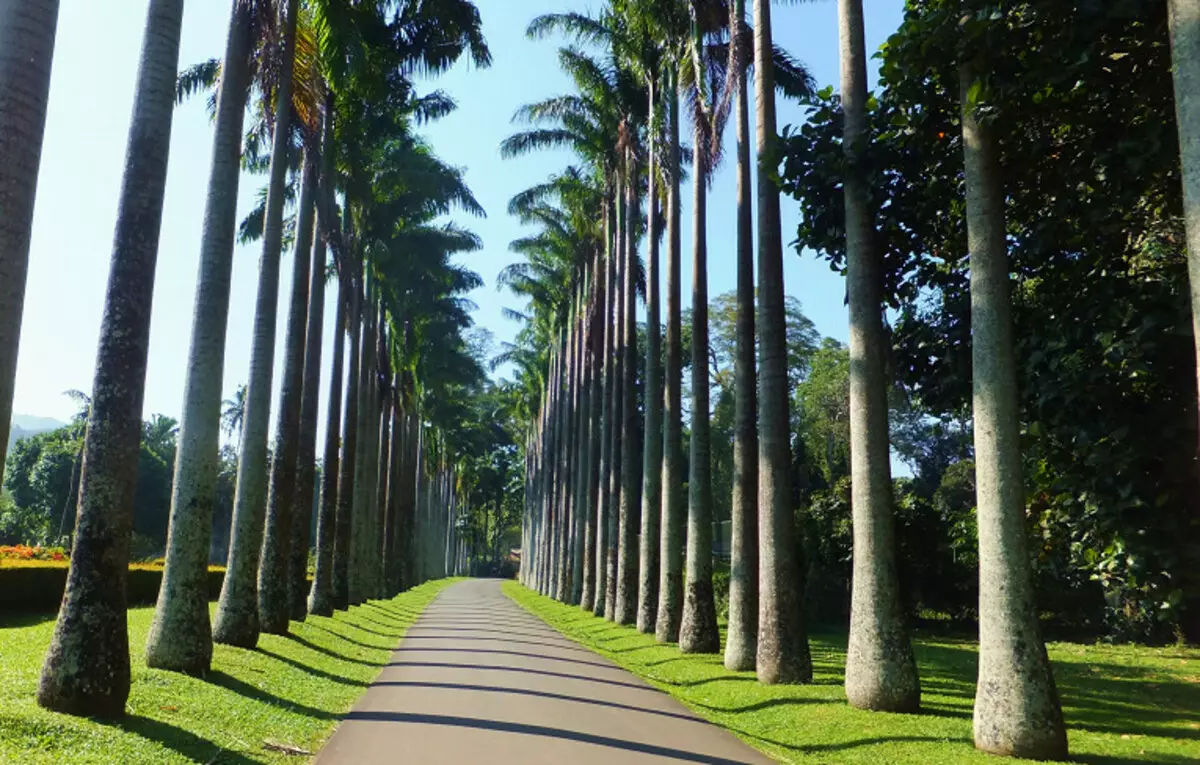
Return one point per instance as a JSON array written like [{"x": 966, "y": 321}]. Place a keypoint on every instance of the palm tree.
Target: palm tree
[
  {"x": 741, "y": 643},
  {"x": 881, "y": 671},
  {"x": 237, "y": 621},
  {"x": 320, "y": 599},
  {"x": 27, "y": 31},
  {"x": 783, "y": 654},
  {"x": 274, "y": 608},
  {"x": 86, "y": 671},
  {"x": 625, "y": 609},
  {"x": 1017, "y": 711},
  {"x": 309, "y": 413},
  {"x": 1183, "y": 16},
  {"x": 181, "y": 635},
  {"x": 670, "y": 584},
  {"x": 233, "y": 413}
]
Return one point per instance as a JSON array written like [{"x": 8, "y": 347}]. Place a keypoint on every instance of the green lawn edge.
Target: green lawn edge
[
  {"x": 1123, "y": 704},
  {"x": 291, "y": 691}
]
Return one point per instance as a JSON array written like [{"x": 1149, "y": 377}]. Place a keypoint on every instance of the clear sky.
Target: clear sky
[{"x": 90, "y": 103}]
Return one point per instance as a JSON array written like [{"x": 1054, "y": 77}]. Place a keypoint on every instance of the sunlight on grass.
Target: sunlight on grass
[
  {"x": 1123, "y": 704},
  {"x": 290, "y": 692}
]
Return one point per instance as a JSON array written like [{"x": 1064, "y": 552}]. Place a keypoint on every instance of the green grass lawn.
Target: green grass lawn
[
  {"x": 1123, "y": 704},
  {"x": 288, "y": 692}
]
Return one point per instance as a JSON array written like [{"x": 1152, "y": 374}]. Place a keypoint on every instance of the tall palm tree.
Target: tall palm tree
[
  {"x": 625, "y": 610},
  {"x": 306, "y": 454},
  {"x": 274, "y": 608},
  {"x": 180, "y": 637},
  {"x": 652, "y": 450},
  {"x": 783, "y": 653},
  {"x": 670, "y": 584},
  {"x": 86, "y": 671},
  {"x": 741, "y": 643},
  {"x": 27, "y": 31},
  {"x": 881, "y": 671},
  {"x": 1017, "y": 711},
  {"x": 237, "y": 620},
  {"x": 1184, "y": 22},
  {"x": 320, "y": 598}
]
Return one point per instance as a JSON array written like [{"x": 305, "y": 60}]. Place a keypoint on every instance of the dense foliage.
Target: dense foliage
[{"x": 1085, "y": 113}]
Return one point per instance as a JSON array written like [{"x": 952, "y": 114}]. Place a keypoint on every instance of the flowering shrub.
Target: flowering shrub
[{"x": 25, "y": 552}]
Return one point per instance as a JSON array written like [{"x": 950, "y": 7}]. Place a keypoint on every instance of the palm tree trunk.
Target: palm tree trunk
[
  {"x": 306, "y": 471},
  {"x": 652, "y": 451},
  {"x": 320, "y": 599},
  {"x": 345, "y": 493},
  {"x": 616, "y": 393},
  {"x": 391, "y": 535},
  {"x": 180, "y": 637},
  {"x": 237, "y": 621},
  {"x": 27, "y": 31},
  {"x": 408, "y": 501},
  {"x": 581, "y": 467},
  {"x": 380, "y": 558},
  {"x": 698, "y": 630},
  {"x": 1017, "y": 711},
  {"x": 595, "y": 406},
  {"x": 603, "y": 497},
  {"x": 362, "y": 520},
  {"x": 627, "y": 550},
  {"x": 274, "y": 606},
  {"x": 741, "y": 644},
  {"x": 783, "y": 653},
  {"x": 670, "y": 584},
  {"x": 86, "y": 671},
  {"x": 1184, "y": 22},
  {"x": 881, "y": 672}
]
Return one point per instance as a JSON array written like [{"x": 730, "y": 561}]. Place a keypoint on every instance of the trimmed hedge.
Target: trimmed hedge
[{"x": 38, "y": 585}]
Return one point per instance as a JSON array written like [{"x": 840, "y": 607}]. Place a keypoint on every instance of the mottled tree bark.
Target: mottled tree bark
[
  {"x": 595, "y": 335},
  {"x": 698, "y": 631},
  {"x": 345, "y": 493},
  {"x": 320, "y": 599},
  {"x": 27, "y": 31},
  {"x": 274, "y": 606},
  {"x": 881, "y": 672},
  {"x": 603, "y": 497},
  {"x": 617, "y": 394},
  {"x": 180, "y": 637},
  {"x": 783, "y": 654},
  {"x": 670, "y": 583},
  {"x": 652, "y": 451},
  {"x": 86, "y": 671},
  {"x": 237, "y": 621},
  {"x": 1184, "y": 23},
  {"x": 580, "y": 461},
  {"x": 306, "y": 469},
  {"x": 741, "y": 642},
  {"x": 625, "y": 611},
  {"x": 1017, "y": 710}
]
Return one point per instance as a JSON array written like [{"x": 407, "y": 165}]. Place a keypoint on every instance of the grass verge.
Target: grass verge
[
  {"x": 254, "y": 706},
  {"x": 1123, "y": 704}
]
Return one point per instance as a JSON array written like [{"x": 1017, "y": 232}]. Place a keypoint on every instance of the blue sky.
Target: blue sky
[{"x": 90, "y": 102}]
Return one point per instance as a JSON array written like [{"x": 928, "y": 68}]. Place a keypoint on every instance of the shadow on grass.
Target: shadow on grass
[
  {"x": 310, "y": 669},
  {"x": 242, "y": 688},
  {"x": 15, "y": 620},
  {"x": 348, "y": 639},
  {"x": 350, "y": 623},
  {"x": 178, "y": 740},
  {"x": 329, "y": 652}
]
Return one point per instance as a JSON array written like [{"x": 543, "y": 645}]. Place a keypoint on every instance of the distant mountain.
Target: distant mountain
[{"x": 24, "y": 426}]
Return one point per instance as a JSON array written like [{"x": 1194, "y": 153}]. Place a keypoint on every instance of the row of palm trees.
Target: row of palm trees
[
  {"x": 328, "y": 86},
  {"x": 581, "y": 275}
]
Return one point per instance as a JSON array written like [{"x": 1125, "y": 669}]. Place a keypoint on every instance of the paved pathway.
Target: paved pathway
[{"x": 480, "y": 680}]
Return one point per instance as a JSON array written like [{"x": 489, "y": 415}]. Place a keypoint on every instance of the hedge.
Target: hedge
[{"x": 35, "y": 585}]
